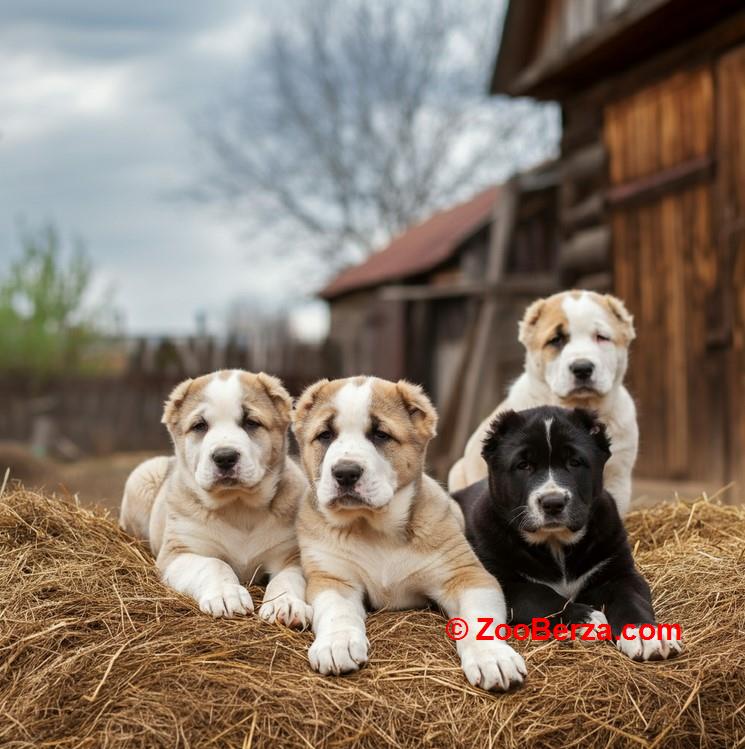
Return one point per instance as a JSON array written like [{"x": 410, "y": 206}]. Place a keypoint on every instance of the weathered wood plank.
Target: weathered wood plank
[
  {"x": 731, "y": 237},
  {"x": 652, "y": 186},
  {"x": 515, "y": 285},
  {"x": 587, "y": 251}
]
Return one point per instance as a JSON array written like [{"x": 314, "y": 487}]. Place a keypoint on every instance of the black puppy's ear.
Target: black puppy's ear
[
  {"x": 589, "y": 421},
  {"x": 502, "y": 424}
]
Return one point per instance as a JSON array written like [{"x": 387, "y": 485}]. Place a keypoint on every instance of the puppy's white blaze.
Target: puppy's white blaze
[
  {"x": 353, "y": 407},
  {"x": 548, "y": 423},
  {"x": 378, "y": 482},
  {"x": 224, "y": 396}
]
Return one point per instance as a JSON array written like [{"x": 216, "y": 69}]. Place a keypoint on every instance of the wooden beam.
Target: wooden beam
[
  {"x": 601, "y": 282},
  {"x": 688, "y": 54},
  {"x": 588, "y": 211},
  {"x": 516, "y": 285},
  {"x": 536, "y": 80},
  {"x": 503, "y": 227},
  {"x": 648, "y": 188},
  {"x": 587, "y": 251},
  {"x": 586, "y": 162}
]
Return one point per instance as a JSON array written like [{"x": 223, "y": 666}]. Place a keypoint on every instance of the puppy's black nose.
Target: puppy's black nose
[
  {"x": 553, "y": 504},
  {"x": 225, "y": 458},
  {"x": 346, "y": 473},
  {"x": 582, "y": 369}
]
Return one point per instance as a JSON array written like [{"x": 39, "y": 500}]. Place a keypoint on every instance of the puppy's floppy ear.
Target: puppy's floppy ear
[
  {"x": 421, "y": 411},
  {"x": 175, "y": 401},
  {"x": 305, "y": 403},
  {"x": 624, "y": 319},
  {"x": 589, "y": 421},
  {"x": 502, "y": 424},
  {"x": 279, "y": 396},
  {"x": 526, "y": 326}
]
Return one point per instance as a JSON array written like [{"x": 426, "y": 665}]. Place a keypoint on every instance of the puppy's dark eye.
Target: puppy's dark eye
[
  {"x": 199, "y": 427},
  {"x": 523, "y": 465},
  {"x": 249, "y": 424},
  {"x": 600, "y": 337},
  {"x": 557, "y": 340},
  {"x": 575, "y": 462},
  {"x": 380, "y": 437},
  {"x": 325, "y": 436}
]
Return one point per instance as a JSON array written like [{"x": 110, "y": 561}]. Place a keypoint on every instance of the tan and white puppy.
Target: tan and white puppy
[
  {"x": 222, "y": 510},
  {"x": 373, "y": 528},
  {"x": 576, "y": 346}
]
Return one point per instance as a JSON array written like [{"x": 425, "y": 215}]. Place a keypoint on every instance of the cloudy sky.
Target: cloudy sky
[{"x": 97, "y": 104}]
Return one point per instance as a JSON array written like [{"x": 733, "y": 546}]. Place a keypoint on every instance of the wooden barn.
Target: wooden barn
[
  {"x": 440, "y": 304},
  {"x": 651, "y": 196}
]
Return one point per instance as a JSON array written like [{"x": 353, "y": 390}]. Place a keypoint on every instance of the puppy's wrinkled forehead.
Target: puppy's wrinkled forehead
[
  {"x": 575, "y": 313},
  {"x": 358, "y": 405},
  {"x": 227, "y": 395},
  {"x": 351, "y": 406}
]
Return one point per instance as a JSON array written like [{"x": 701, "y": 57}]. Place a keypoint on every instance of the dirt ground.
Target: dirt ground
[{"x": 96, "y": 481}]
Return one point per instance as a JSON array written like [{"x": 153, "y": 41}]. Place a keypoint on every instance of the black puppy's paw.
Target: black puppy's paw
[{"x": 580, "y": 613}]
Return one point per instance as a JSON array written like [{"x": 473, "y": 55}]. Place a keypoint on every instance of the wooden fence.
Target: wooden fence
[{"x": 77, "y": 415}]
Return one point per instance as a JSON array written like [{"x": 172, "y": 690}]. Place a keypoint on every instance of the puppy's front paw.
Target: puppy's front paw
[
  {"x": 658, "y": 648},
  {"x": 594, "y": 618},
  {"x": 338, "y": 653},
  {"x": 580, "y": 613},
  {"x": 288, "y": 610},
  {"x": 493, "y": 666},
  {"x": 227, "y": 600}
]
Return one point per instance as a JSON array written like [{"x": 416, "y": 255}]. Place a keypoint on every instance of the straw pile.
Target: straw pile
[{"x": 95, "y": 652}]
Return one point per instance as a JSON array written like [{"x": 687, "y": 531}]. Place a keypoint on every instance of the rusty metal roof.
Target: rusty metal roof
[{"x": 420, "y": 249}]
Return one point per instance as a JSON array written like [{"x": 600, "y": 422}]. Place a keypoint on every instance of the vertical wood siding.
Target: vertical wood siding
[
  {"x": 666, "y": 267},
  {"x": 731, "y": 204}
]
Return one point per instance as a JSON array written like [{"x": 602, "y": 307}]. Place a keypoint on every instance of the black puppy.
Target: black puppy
[{"x": 543, "y": 525}]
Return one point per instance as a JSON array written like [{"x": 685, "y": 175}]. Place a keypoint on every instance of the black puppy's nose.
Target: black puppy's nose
[
  {"x": 553, "y": 503},
  {"x": 582, "y": 369},
  {"x": 225, "y": 458},
  {"x": 346, "y": 473}
]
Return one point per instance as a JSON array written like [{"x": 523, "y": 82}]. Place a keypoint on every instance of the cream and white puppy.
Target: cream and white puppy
[
  {"x": 576, "y": 346},
  {"x": 222, "y": 510},
  {"x": 373, "y": 528}
]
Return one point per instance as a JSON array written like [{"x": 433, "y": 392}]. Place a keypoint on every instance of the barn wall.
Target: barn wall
[
  {"x": 729, "y": 330},
  {"x": 368, "y": 334},
  {"x": 676, "y": 206}
]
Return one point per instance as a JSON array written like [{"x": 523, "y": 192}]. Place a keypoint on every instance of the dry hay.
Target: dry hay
[{"x": 95, "y": 652}]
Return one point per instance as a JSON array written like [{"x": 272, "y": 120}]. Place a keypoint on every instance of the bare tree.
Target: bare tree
[{"x": 360, "y": 117}]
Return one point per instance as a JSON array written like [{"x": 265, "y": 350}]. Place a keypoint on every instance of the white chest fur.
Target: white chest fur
[
  {"x": 248, "y": 543},
  {"x": 568, "y": 587},
  {"x": 390, "y": 574}
]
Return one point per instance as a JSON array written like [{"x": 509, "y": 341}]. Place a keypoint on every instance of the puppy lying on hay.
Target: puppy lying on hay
[{"x": 96, "y": 652}]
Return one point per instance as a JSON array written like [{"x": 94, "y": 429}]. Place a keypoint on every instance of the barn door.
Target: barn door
[
  {"x": 667, "y": 268},
  {"x": 731, "y": 204}
]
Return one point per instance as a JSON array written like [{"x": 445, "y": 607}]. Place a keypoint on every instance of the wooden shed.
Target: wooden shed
[
  {"x": 415, "y": 308},
  {"x": 652, "y": 197}
]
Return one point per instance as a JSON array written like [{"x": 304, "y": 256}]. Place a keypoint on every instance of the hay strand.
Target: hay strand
[{"x": 95, "y": 652}]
